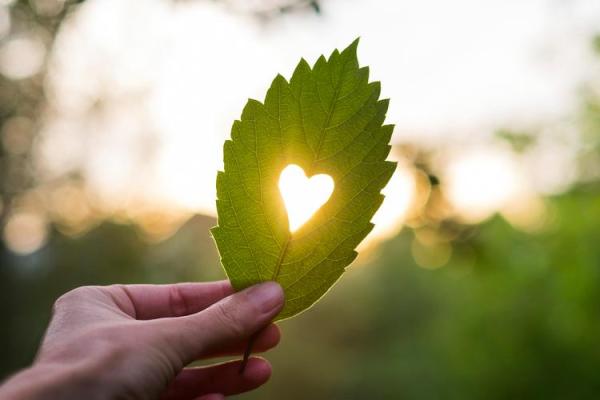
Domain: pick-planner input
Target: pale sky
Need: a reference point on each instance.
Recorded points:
(180, 73)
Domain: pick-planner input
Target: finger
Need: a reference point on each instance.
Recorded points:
(161, 301)
(223, 378)
(268, 338)
(225, 323)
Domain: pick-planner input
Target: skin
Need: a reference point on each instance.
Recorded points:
(134, 342)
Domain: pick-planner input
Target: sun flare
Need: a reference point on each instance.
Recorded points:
(303, 196)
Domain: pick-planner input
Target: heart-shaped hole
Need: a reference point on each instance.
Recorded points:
(303, 196)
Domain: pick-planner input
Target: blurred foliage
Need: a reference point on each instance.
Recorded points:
(519, 141)
(22, 100)
(596, 43)
(511, 315)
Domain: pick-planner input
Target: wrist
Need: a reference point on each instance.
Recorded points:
(55, 381)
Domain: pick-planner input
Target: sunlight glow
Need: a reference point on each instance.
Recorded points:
(482, 181)
(146, 131)
(400, 194)
(21, 57)
(25, 233)
(303, 196)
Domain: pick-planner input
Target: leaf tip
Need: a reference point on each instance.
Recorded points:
(303, 63)
(280, 79)
(352, 47)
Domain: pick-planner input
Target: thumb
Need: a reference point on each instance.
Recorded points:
(226, 322)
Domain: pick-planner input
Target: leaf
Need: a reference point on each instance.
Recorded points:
(327, 119)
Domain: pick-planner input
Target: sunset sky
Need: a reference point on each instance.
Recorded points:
(165, 85)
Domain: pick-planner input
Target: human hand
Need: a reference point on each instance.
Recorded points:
(133, 341)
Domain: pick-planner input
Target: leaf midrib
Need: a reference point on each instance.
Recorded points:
(322, 135)
(334, 102)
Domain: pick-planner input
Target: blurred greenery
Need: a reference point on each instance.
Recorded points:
(511, 314)
(519, 141)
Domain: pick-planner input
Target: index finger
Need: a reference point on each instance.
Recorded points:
(166, 301)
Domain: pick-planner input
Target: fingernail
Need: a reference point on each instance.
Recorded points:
(266, 296)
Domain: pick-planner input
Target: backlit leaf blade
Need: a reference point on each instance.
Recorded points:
(326, 119)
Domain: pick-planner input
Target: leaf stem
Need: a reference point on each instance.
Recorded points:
(248, 351)
(280, 259)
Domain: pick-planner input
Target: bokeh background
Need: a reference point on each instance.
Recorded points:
(482, 277)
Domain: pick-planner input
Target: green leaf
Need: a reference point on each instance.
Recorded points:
(329, 120)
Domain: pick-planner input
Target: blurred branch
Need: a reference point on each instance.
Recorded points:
(268, 10)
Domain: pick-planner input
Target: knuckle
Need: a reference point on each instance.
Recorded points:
(177, 302)
(72, 296)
